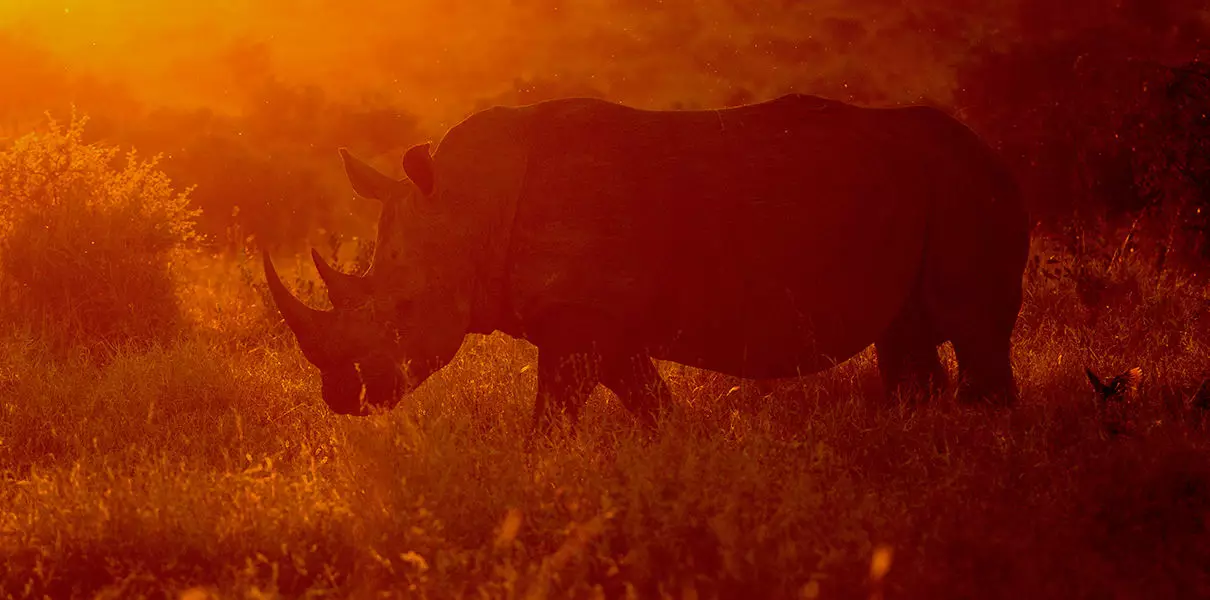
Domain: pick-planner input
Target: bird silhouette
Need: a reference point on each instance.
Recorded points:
(1201, 400)
(1116, 388)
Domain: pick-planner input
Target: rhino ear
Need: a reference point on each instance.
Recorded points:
(368, 181)
(418, 164)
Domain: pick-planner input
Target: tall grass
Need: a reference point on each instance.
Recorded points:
(207, 466)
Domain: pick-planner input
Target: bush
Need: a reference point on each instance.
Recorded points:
(87, 243)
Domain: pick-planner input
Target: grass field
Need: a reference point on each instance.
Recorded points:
(207, 466)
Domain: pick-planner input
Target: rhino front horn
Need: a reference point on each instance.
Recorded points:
(344, 290)
(314, 329)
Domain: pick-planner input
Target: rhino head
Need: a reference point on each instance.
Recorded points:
(391, 328)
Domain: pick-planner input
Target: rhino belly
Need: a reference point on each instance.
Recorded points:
(794, 296)
(765, 331)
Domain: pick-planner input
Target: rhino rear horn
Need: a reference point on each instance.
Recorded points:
(370, 182)
(344, 290)
(314, 329)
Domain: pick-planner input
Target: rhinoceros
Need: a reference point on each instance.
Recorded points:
(770, 240)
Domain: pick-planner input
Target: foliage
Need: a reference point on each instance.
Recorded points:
(87, 246)
(272, 171)
(1103, 113)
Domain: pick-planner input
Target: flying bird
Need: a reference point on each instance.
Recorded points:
(1116, 388)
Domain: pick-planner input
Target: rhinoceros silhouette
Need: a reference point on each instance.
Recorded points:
(763, 241)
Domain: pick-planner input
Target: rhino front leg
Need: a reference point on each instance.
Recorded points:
(565, 380)
(637, 383)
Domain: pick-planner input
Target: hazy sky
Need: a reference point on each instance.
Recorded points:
(438, 57)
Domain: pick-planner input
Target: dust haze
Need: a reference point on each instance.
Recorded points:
(440, 59)
(264, 92)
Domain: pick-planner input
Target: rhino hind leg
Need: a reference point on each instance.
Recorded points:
(978, 321)
(637, 384)
(907, 355)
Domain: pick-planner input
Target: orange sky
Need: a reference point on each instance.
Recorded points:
(438, 57)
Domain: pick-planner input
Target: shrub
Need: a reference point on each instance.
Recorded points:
(87, 241)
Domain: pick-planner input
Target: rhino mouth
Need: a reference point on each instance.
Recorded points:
(362, 389)
(342, 391)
